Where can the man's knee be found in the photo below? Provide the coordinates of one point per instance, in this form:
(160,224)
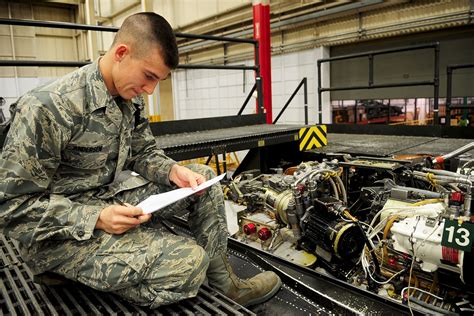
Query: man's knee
(205,170)
(199,263)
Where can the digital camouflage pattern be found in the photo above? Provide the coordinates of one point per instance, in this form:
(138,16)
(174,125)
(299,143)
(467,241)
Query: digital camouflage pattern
(68,154)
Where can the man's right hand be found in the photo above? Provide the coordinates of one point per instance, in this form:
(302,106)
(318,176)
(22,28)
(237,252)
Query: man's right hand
(117,219)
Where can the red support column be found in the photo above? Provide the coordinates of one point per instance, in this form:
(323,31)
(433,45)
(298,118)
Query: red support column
(261,32)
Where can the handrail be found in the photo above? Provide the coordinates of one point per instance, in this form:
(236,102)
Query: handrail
(449,91)
(371,85)
(87,27)
(77,26)
(304,83)
(247,99)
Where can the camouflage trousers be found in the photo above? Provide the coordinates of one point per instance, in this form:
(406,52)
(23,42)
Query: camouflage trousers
(147,265)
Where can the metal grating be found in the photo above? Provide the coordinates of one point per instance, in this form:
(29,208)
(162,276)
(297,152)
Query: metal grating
(224,135)
(19,295)
(387,145)
(9,254)
(204,143)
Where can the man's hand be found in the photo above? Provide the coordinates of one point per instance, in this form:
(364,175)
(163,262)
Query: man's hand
(117,219)
(184,177)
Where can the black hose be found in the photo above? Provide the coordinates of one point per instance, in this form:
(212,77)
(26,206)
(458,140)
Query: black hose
(371,249)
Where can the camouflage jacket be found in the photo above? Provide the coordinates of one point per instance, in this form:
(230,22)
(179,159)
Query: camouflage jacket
(67,137)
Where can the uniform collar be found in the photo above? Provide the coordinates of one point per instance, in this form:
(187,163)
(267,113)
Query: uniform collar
(97,91)
(135,104)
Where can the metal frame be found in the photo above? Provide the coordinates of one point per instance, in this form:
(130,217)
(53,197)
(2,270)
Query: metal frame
(449,90)
(20,294)
(371,85)
(67,25)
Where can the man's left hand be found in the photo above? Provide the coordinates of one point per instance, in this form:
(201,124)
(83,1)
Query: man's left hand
(185,178)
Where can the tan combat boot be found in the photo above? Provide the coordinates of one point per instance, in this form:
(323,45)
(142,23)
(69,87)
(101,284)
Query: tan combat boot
(245,292)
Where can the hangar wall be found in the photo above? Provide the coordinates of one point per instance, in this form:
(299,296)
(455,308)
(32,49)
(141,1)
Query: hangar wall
(19,42)
(209,93)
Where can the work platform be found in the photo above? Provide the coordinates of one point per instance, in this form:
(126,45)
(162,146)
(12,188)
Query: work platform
(390,145)
(386,140)
(186,139)
(19,295)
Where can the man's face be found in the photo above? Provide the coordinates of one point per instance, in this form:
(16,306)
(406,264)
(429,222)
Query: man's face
(136,75)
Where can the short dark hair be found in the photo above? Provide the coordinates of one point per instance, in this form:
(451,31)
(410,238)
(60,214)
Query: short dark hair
(145,29)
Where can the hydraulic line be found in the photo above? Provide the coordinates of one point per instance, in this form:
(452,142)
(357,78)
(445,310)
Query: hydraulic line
(445,173)
(454,153)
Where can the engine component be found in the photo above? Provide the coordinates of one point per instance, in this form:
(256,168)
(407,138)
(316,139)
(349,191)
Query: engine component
(421,237)
(394,227)
(456,199)
(264,234)
(455,153)
(330,237)
(310,202)
(250,228)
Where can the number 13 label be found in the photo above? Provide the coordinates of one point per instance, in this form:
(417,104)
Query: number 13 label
(458,236)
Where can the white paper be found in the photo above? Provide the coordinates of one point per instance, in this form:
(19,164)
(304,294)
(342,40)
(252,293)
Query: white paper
(158,201)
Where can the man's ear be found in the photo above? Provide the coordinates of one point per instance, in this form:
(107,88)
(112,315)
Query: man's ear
(121,51)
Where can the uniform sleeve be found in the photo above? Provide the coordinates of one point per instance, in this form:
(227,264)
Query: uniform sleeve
(147,159)
(29,159)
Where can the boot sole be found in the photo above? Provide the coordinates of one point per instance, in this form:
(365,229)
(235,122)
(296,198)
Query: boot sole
(266,297)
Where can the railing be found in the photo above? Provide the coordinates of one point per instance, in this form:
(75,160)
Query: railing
(247,99)
(372,85)
(303,83)
(449,91)
(67,25)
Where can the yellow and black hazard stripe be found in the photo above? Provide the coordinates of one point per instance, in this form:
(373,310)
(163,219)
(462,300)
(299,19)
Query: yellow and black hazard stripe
(313,137)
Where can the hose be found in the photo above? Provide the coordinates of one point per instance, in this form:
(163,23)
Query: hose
(388,226)
(444,172)
(454,153)
(367,242)
(343,189)
(334,188)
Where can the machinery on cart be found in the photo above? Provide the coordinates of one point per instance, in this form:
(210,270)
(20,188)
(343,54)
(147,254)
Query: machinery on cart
(398,227)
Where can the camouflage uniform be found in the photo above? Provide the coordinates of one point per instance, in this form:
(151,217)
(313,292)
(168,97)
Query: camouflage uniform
(68,154)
